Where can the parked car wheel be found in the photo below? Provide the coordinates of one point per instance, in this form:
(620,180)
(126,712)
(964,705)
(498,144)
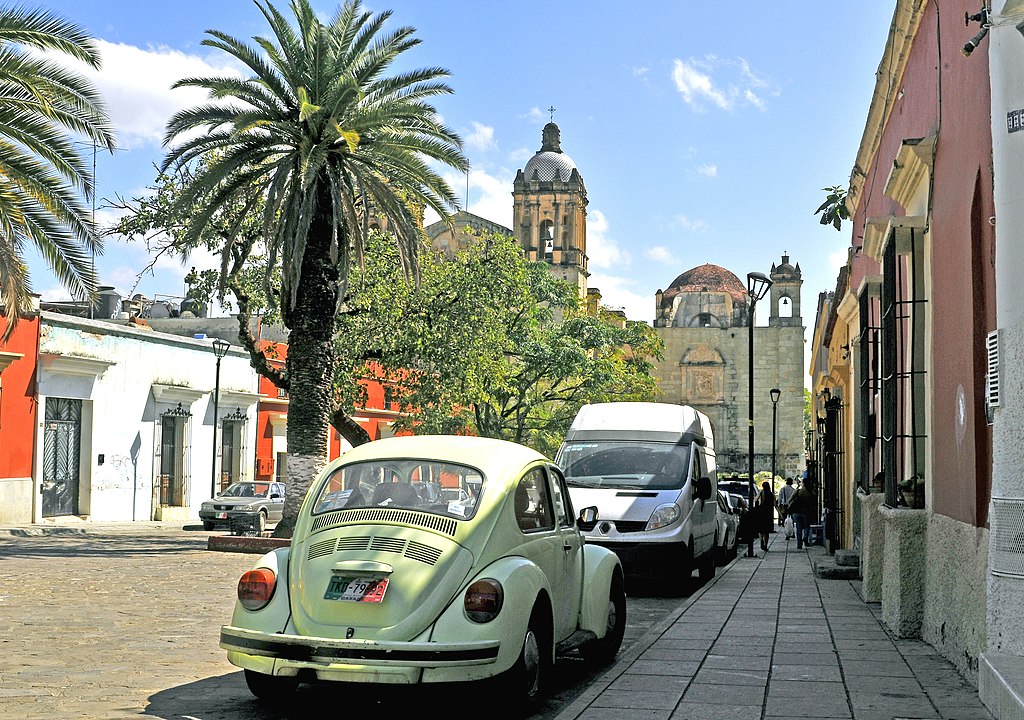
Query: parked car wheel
(602,651)
(272,688)
(524,683)
(207,525)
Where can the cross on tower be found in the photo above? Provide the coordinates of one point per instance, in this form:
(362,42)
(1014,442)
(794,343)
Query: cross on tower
(552,111)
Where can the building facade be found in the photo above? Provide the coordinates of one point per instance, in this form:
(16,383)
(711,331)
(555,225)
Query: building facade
(901,346)
(704,319)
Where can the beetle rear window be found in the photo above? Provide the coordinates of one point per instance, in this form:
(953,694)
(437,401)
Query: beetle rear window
(436,487)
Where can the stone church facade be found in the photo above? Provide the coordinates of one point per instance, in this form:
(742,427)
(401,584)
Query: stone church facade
(703,317)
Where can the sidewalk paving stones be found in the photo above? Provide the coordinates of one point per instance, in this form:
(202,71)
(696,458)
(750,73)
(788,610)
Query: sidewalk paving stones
(780,644)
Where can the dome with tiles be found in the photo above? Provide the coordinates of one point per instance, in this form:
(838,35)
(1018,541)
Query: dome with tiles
(550,163)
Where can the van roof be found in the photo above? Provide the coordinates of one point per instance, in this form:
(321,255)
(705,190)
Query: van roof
(668,421)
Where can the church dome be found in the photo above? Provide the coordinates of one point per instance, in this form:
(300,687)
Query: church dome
(707,278)
(550,162)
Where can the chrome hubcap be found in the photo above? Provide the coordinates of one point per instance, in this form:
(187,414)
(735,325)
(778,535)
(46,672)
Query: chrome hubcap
(612,615)
(531,663)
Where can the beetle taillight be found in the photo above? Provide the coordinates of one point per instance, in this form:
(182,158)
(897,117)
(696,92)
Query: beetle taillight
(256,587)
(483,600)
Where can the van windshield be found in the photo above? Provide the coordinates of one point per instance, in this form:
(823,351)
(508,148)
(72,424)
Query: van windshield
(632,464)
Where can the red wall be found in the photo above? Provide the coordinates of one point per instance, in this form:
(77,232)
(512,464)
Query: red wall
(17,399)
(946,94)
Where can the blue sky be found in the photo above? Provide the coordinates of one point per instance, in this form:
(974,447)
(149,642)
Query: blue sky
(704,132)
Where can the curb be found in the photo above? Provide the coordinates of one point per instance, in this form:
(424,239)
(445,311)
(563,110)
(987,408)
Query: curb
(624,660)
(245,544)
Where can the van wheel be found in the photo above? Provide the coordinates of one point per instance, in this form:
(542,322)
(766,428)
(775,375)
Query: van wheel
(677,577)
(602,651)
(706,569)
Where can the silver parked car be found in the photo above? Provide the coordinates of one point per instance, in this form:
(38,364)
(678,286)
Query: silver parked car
(253,504)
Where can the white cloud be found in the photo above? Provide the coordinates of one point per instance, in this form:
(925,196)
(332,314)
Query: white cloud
(136,86)
(695,85)
(482,138)
(708,170)
(837,260)
(536,115)
(617,291)
(698,85)
(693,225)
(520,156)
(602,250)
(661,254)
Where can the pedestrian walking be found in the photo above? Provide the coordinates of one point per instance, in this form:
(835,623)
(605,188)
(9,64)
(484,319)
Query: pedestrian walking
(785,496)
(802,507)
(764,513)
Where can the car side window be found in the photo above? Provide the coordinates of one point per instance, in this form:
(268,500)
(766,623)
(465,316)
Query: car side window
(532,502)
(563,505)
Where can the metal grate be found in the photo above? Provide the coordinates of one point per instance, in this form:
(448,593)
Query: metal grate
(393,545)
(325,547)
(436,523)
(353,543)
(1007,539)
(992,375)
(423,553)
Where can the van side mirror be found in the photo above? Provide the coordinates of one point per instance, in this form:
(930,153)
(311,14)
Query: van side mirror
(702,488)
(587,518)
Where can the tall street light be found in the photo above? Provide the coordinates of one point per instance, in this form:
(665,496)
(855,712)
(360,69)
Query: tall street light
(757,288)
(774,393)
(220,349)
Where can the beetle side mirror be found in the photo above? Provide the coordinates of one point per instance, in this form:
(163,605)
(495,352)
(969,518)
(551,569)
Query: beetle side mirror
(587,518)
(702,487)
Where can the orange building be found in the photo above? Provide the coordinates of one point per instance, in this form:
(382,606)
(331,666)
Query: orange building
(18,409)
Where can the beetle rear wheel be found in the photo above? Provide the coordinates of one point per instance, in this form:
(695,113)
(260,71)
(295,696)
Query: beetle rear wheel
(524,683)
(272,688)
(602,651)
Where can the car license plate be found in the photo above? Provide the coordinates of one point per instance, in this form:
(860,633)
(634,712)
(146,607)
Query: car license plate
(222,516)
(356,589)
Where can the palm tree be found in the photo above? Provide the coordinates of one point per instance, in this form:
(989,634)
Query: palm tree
(43,176)
(328,144)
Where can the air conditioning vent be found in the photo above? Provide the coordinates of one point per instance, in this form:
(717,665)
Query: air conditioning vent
(437,523)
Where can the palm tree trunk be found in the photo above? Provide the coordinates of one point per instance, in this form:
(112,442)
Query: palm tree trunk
(311,359)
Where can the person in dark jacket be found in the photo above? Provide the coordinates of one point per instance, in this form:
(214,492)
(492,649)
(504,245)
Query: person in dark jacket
(764,512)
(802,508)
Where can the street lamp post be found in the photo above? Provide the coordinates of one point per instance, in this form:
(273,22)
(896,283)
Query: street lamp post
(774,393)
(220,349)
(757,287)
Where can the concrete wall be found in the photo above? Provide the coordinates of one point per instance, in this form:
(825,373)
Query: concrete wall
(903,572)
(954,606)
(872,546)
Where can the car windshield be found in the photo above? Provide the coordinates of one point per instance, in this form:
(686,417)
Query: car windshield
(634,464)
(425,485)
(246,490)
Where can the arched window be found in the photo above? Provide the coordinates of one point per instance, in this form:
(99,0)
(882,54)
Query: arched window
(785,307)
(547,236)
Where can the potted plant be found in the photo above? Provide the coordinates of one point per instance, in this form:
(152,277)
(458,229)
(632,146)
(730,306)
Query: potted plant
(912,488)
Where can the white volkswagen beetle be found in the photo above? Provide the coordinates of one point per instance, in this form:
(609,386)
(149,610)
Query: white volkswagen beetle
(424,560)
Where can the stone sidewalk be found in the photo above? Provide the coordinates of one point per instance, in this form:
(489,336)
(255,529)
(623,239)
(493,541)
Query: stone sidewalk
(767,640)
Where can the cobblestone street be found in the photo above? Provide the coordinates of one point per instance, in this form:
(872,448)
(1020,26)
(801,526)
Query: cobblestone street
(85,625)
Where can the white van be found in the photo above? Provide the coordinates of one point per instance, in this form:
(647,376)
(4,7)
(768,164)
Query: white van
(650,470)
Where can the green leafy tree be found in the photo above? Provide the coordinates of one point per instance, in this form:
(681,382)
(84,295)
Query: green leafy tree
(491,344)
(43,176)
(328,141)
(833,210)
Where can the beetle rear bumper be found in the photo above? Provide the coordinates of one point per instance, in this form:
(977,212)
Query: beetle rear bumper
(355,660)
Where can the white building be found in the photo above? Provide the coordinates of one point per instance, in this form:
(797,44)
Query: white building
(126,421)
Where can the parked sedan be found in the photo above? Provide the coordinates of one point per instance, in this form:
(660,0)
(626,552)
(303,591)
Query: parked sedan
(253,504)
(428,560)
(728,529)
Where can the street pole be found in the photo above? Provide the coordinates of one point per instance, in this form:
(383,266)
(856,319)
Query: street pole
(775,393)
(757,286)
(220,349)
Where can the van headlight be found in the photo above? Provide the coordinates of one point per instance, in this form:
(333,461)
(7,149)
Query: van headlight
(663,516)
